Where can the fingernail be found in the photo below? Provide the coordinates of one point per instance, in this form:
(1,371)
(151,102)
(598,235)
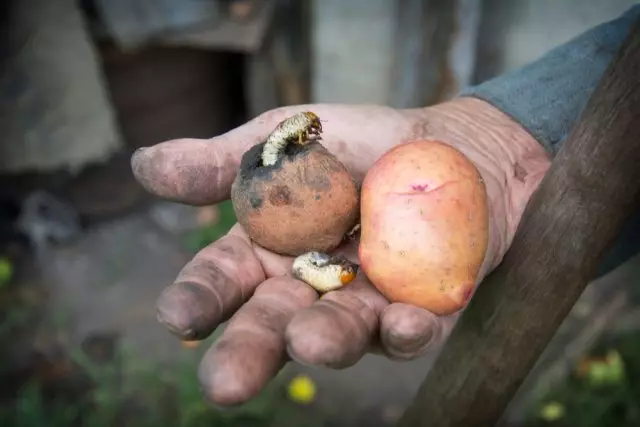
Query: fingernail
(135,163)
(184,310)
(137,152)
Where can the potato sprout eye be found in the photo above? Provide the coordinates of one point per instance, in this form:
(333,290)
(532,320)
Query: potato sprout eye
(324,272)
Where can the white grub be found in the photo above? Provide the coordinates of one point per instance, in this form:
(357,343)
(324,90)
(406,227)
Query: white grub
(300,129)
(324,272)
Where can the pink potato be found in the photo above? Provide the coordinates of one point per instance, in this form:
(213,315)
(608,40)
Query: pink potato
(424,226)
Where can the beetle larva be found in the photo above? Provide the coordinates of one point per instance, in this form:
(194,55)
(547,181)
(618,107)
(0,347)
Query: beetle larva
(297,129)
(324,272)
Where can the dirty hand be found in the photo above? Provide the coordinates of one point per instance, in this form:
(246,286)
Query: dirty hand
(274,317)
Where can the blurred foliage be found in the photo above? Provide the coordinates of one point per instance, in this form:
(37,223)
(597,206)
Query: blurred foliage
(603,390)
(200,238)
(6,271)
(73,390)
(133,393)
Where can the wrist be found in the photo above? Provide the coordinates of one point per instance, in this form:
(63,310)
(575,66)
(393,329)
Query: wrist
(510,160)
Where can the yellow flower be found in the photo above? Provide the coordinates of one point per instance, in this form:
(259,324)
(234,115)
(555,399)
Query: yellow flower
(552,411)
(302,389)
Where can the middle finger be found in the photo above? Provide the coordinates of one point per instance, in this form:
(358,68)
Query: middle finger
(338,329)
(252,348)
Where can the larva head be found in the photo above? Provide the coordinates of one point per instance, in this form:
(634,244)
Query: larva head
(348,269)
(348,274)
(315,126)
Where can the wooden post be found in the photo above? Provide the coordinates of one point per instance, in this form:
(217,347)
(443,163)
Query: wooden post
(590,189)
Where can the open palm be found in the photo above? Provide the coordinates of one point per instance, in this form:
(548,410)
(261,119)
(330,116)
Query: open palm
(273,317)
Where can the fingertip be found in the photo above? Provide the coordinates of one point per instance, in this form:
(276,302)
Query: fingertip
(310,340)
(145,166)
(252,348)
(139,163)
(335,332)
(188,310)
(201,171)
(225,380)
(192,171)
(407,331)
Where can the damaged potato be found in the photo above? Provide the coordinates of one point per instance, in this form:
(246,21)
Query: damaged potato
(292,195)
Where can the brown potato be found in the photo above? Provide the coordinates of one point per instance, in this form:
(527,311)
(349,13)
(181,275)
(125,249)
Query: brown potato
(424,226)
(307,201)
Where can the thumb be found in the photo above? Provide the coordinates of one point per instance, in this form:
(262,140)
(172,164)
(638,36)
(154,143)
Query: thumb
(201,171)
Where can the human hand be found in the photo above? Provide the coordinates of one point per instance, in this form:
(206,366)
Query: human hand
(273,317)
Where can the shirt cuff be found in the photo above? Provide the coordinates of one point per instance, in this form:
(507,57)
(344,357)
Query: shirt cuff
(547,96)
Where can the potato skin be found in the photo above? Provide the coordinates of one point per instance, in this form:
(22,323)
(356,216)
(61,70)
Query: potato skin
(424,226)
(306,202)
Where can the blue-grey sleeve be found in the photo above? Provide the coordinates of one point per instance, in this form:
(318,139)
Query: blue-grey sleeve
(548,95)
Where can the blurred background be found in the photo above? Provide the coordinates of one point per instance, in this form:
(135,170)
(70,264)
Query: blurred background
(85,252)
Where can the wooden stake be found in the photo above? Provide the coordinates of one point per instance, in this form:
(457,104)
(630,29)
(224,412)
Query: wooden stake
(592,186)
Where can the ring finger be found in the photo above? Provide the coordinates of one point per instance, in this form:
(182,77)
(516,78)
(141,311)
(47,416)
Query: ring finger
(252,348)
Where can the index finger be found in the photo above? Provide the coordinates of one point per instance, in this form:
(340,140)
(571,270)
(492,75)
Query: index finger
(211,287)
(201,171)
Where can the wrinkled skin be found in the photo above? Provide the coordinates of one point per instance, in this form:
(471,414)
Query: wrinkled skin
(275,318)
